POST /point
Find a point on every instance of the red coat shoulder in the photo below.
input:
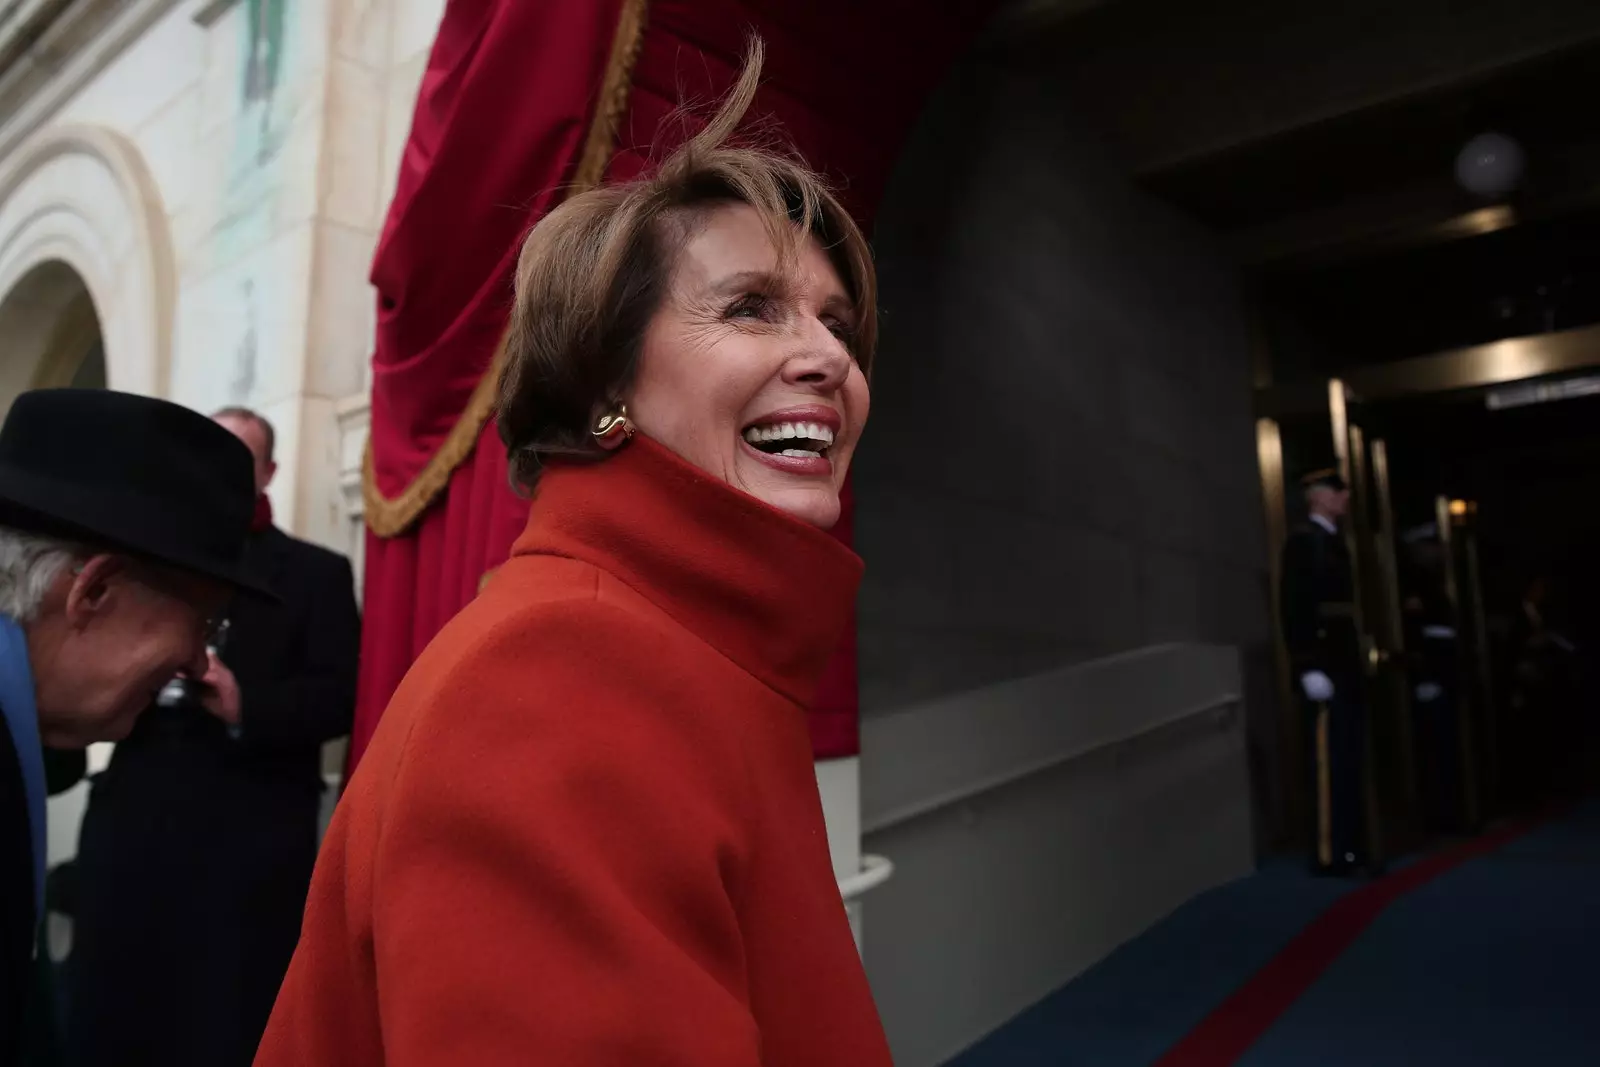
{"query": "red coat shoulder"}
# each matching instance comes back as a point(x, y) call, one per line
point(548, 824)
point(558, 653)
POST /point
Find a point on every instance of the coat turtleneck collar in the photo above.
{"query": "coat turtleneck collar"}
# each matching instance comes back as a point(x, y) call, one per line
point(766, 590)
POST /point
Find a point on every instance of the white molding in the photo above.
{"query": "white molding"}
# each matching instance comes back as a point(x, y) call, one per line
point(875, 870)
point(933, 755)
point(839, 788)
point(212, 11)
point(1038, 882)
point(80, 67)
point(23, 23)
point(82, 195)
point(354, 415)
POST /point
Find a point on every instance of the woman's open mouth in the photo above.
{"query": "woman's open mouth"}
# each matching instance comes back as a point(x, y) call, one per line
point(796, 445)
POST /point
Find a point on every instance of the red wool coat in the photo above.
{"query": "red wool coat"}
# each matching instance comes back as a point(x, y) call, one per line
point(587, 831)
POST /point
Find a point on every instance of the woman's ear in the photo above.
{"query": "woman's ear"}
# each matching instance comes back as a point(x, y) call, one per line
point(613, 428)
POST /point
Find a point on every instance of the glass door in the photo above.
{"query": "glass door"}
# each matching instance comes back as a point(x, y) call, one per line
point(1477, 719)
point(1390, 771)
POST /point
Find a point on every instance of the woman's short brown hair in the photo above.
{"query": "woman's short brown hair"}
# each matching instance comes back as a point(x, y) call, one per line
point(594, 271)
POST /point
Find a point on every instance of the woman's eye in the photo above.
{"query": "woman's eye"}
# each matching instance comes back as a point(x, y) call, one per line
point(751, 306)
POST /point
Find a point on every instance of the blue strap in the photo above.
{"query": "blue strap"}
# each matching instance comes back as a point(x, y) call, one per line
point(22, 719)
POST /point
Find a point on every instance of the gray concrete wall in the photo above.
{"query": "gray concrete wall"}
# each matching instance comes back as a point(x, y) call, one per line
point(1037, 824)
point(1059, 470)
point(1060, 462)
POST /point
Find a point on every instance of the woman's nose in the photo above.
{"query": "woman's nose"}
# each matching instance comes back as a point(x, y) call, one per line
point(822, 360)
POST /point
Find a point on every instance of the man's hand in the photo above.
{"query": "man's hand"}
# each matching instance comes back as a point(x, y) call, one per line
point(220, 694)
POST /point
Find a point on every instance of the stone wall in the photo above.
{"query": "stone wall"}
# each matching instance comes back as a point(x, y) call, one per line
point(217, 172)
point(1060, 463)
point(205, 180)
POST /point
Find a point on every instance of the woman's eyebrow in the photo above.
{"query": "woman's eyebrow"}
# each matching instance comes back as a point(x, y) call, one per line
point(750, 279)
point(841, 305)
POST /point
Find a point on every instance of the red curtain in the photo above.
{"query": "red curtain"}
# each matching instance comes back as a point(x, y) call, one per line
point(498, 130)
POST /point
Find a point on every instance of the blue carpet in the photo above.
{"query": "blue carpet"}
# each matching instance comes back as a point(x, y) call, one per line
point(1137, 1003)
point(1494, 962)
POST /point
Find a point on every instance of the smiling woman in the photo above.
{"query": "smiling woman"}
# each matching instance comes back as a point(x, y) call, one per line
point(746, 369)
point(727, 293)
point(588, 823)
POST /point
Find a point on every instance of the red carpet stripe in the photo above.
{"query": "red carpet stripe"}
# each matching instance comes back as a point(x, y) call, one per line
point(1227, 1033)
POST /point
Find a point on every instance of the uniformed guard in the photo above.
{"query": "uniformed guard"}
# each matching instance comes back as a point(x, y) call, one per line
point(1319, 628)
point(1435, 670)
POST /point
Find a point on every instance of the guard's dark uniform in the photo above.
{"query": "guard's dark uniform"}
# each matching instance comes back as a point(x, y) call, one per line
point(1434, 670)
point(1319, 629)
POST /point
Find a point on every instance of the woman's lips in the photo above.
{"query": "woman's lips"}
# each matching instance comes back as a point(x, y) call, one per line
point(808, 466)
point(807, 431)
point(821, 414)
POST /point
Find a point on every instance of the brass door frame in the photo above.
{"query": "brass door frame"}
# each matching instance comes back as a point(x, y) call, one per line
point(1481, 366)
point(1292, 736)
point(1483, 672)
point(1469, 709)
point(1391, 635)
point(1465, 590)
point(1357, 534)
point(1395, 635)
point(1375, 588)
point(1501, 363)
point(1368, 529)
point(1349, 448)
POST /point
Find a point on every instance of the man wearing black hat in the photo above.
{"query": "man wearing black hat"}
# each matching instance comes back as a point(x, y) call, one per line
point(1318, 616)
point(197, 848)
point(123, 522)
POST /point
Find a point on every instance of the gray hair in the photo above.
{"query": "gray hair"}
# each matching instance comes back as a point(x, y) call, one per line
point(29, 564)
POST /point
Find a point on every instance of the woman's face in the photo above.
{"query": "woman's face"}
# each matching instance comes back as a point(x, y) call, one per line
point(745, 370)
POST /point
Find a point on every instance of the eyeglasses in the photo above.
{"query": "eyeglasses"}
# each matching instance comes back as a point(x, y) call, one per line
point(216, 632)
point(213, 627)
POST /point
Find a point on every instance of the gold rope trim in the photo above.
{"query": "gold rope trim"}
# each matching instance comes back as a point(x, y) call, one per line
point(391, 516)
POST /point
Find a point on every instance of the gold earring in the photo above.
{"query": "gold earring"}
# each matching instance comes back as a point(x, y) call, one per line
point(614, 428)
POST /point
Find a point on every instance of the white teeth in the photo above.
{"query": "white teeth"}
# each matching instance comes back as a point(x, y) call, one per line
point(783, 431)
point(800, 453)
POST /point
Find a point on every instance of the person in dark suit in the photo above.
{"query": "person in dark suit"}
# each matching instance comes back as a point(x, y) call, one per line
point(197, 847)
point(102, 599)
point(63, 769)
point(1435, 671)
point(1318, 617)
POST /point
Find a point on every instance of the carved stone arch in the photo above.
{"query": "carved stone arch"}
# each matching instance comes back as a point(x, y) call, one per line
point(81, 196)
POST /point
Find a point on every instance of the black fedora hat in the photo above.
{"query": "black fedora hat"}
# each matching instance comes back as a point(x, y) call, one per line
point(130, 473)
